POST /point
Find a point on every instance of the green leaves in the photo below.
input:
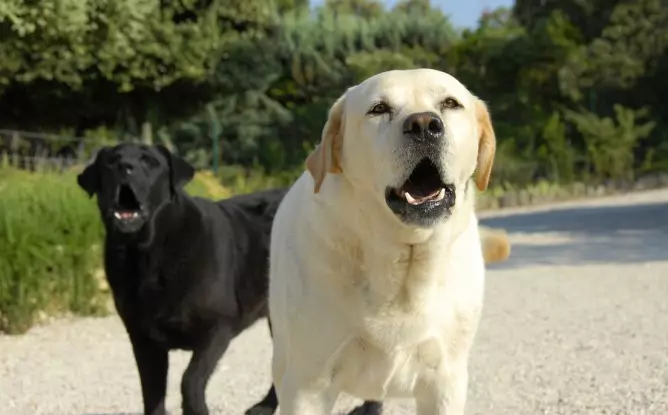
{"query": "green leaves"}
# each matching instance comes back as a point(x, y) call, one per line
point(141, 44)
point(270, 70)
point(366, 64)
point(43, 41)
point(611, 142)
point(629, 46)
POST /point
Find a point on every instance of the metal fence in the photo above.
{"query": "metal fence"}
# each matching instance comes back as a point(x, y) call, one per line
point(37, 151)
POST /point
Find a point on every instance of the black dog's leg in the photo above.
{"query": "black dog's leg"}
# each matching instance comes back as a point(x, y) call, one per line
point(201, 367)
point(152, 363)
point(268, 404)
point(368, 408)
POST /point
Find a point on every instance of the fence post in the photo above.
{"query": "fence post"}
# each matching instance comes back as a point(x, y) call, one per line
point(146, 133)
point(214, 132)
point(14, 148)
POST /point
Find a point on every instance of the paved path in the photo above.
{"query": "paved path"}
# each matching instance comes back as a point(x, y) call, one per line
point(576, 322)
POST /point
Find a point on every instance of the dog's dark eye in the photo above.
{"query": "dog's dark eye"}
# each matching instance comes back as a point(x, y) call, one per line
point(149, 160)
point(450, 103)
point(379, 108)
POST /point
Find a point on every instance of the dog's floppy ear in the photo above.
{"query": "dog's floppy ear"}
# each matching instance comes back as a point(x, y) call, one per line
point(326, 157)
point(89, 178)
point(180, 171)
point(486, 145)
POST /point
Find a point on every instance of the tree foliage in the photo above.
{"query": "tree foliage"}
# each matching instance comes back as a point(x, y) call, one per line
point(575, 87)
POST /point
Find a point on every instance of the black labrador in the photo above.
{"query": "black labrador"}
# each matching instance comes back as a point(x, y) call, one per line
point(185, 272)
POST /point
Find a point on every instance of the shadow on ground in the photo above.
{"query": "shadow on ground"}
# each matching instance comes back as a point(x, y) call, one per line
point(584, 235)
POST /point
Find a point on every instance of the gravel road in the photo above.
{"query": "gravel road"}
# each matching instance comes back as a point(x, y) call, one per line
point(576, 322)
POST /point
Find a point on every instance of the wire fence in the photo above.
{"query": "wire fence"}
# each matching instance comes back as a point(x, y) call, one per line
point(35, 151)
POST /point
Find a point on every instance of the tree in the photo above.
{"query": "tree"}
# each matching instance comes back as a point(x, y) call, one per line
point(151, 60)
point(421, 7)
point(366, 9)
point(557, 151)
point(589, 17)
point(611, 143)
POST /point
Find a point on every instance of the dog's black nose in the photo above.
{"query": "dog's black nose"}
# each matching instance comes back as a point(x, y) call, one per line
point(126, 167)
point(423, 126)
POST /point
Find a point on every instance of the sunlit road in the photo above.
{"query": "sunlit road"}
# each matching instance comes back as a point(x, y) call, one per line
point(576, 322)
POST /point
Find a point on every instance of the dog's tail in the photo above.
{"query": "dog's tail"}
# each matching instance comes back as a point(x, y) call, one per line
point(495, 244)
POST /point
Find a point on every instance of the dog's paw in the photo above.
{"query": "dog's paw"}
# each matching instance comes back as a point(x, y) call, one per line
point(260, 410)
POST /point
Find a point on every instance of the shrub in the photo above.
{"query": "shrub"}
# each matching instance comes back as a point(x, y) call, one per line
point(241, 180)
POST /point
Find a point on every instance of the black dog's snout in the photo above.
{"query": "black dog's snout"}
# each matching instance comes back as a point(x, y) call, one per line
point(126, 167)
point(423, 126)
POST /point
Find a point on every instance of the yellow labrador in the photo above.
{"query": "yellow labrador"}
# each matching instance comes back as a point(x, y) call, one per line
point(376, 266)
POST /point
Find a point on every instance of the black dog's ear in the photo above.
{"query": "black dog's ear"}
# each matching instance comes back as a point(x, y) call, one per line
point(180, 171)
point(89, 179)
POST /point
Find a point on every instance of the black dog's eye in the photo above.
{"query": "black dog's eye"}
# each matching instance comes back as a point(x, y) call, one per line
point(149, 160)
point(379, 109)
point(450, 103)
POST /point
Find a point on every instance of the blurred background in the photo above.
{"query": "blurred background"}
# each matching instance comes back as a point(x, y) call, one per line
point(241, 89)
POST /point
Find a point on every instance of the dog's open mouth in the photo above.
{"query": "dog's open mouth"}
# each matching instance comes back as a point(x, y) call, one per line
point(423, 197)
point(127, 206)
point(423, 185)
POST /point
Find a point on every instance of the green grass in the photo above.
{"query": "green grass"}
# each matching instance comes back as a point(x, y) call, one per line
point(50, 235)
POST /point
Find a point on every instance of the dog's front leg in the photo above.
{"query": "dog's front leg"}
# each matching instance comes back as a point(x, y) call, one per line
point(202, 364)
point(443, 393)
point(152, 364)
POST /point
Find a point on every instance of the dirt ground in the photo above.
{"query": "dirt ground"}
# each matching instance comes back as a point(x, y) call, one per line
point(576, 322)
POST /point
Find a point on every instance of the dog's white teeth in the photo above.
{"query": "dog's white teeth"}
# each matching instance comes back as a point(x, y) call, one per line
point(436, 196)
point(410, 199)
point(440, 195)
point(125, 215)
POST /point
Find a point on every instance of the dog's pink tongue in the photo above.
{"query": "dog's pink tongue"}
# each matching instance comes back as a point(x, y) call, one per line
point(126, 215)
